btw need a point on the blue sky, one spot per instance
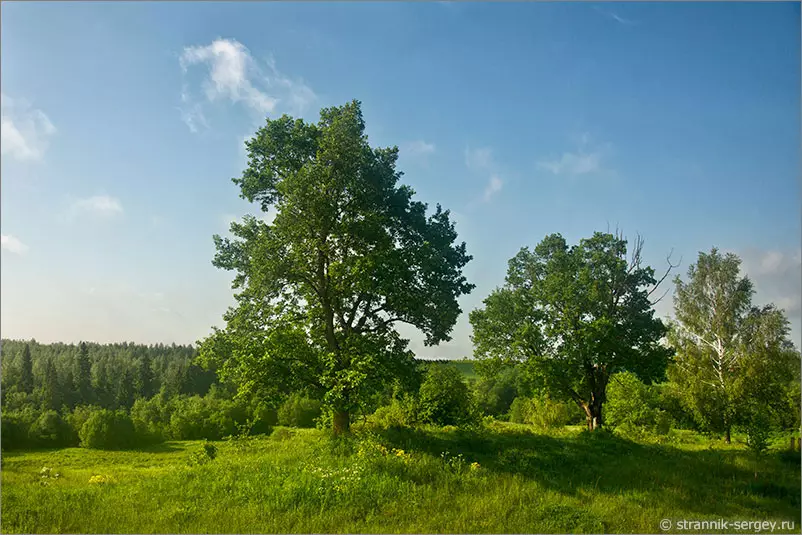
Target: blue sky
(123, 123)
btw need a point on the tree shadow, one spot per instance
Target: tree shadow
(705, 482)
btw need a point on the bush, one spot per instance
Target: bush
(76, 420)
(542, 412)
(50, 430)
(16, 426)
(393, 415)
(108, 430)
(299, 411)
(204, 454)
(444, 398)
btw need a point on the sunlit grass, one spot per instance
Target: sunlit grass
(503, 479)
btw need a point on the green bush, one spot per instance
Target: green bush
(50, 430)
(108, 430)
(444, 398)
(16, 426)
(76, 420)
(630, 403)
(543, 412)
(393, 415)
(204, 454)
(299, 411)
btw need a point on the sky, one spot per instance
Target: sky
(123, 124)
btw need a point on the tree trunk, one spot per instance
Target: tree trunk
(342, 422)
(593, 414)
(727, 438)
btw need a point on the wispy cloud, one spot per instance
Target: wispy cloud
(614, 16)
(98, 205)
(24, 131)
(12, 244)
(235, 75)
(493, 187)
(579, 162)
(481, 160)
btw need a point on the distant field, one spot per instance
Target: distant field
(465, 366)
(300, 481)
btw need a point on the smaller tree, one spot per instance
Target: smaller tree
(444, 398)
(729, 354)
(51, 393)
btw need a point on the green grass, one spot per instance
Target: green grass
(302, 481)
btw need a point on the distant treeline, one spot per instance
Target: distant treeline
(111, 376)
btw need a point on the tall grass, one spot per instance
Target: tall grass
(502, 479)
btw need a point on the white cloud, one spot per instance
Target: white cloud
(493, 187)
(12, 244)
(24, 131)
(481, 160)
(579, 162)
(574, 164)
(99, 205)
(417, 148)
(234, 75)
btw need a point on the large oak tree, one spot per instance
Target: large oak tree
(573, 316)
(348, 255)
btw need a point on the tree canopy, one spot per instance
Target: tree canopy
(348, 255)
(573, 316)
(733, 359)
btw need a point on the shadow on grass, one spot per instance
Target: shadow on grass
(707, 482)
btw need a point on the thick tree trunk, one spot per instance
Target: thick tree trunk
(727, 438)
(341, 423)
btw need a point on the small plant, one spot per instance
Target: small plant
(454, 463)
(47, 476)
(203, 455)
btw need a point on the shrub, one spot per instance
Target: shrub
(519, 410)
(393, 415)
(299, 411)
(108, 430)
(542, 412)
(76, 420)
(50, 430)
(444, 398)
(204, 454)
(16, 427)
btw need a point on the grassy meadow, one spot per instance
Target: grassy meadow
(503, 478)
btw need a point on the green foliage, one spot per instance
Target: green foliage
(574, 316)
(543, 412)
(108, 430)
(397, 413)
(444, 398)
(496, 392)
(50, 430)
(348, 255)
(26, 371)
(202, 455)
(729, 354)
(630, 403)
(299, 411)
